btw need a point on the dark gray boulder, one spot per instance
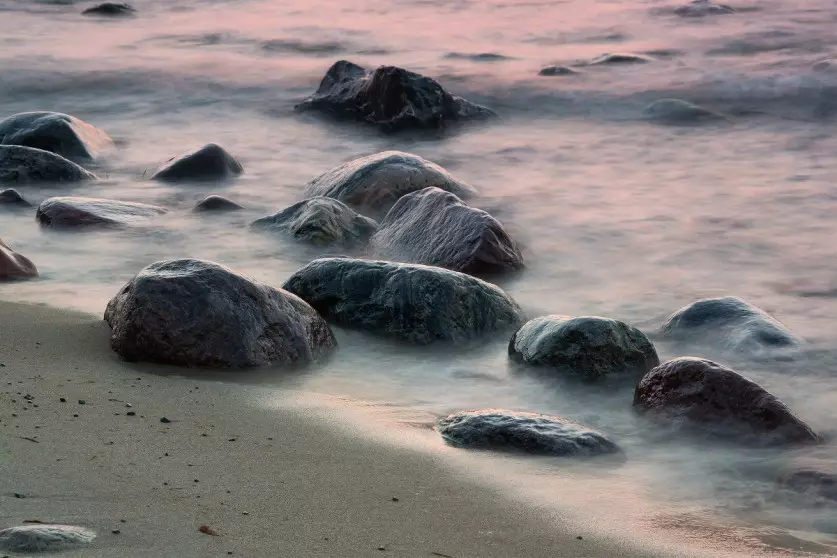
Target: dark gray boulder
(210, 162)
(44, 537)
(196, 313)
(111, 9)
(374, 183)
(496, 429)
(815, 483)
(12, 198)
(550, 71)
(703, 8)
(69, 211)
(25, 165)
(618, 59)
(14, 266)
(216, 203)
(703, 395)
(57, 133)
(678, 111)
(320, 220)
(588, 346)
(434, 227)
(389, 97)
(414, 303)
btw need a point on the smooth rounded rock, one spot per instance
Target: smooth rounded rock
(320, 220)
(58, 133)
(210, 162)
(434, 227)
(72, 212)
(12, 198)
(558, 71)
(14, 266)
(44, 537)
(703, 8)
(813, 483)
(216, 203)
(26, 165)
(407, 302)
(111, 9)
(678, 111)
(196, 313)
(618, 59)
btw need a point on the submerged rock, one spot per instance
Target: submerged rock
(24, 165)
(68, 211)
(111, 9)
(703, 8)
(44, 537)
(811, 482)
(414, 303)
(497, 429)
(377, 181)
(13, 266)
(201, 314)
(434, 227)
(677, 111)
(210, 162)
(12, 197)
(589, 346)
(389, 97)
(216, 203)
(709, 397)
(618, 59)
(57, 133)
(825, 66)
(320, 220)
(558, 71)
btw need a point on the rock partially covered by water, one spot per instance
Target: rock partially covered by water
(24, 165)
(13, 266)
(44, 537)
(434, 227)
(111, 9)
(322, 221)
(12, 197)
(69, 211)
(496, 429)
(704, 395)
(619, 58)
(732, 324)
(703, 8)
(201, 314)
(825, 66)
(414, 303)
(377, 181)
(216, 203)
(389, 97)
(813, 483)
(588, 346)
(558, 71)
(678, 111)
(210, 162)
(57, 133)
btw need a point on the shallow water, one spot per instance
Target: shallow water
(618, 216)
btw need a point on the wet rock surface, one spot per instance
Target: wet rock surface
(210, 162)
(14, 266)
(26, 165)
(677, 111)
(13, 198)
(77, 212)
(320, 220)
(815, 483)
(703, 8)
(44, 538)
(618, 59)
(111, 9)
(215, 204)
(558, 71)
(58, 133)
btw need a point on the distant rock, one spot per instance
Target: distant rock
(703, 8)
(825, 66)
(414, 303)
(818, 485)
(376, 182)
(216, 203)
(25, 165)
(43, 537)
(111, 9)
(12, 198)
(677, 111)
(618, 59)
(70, 212)
(57, 133)
(706, 396)
(558, 71)
(13, 266)
(434, 227)
(479, 57)
(210, 162)
(196, 313)
(496, 429)
(389, 97)
(588, 346)
(320, 220)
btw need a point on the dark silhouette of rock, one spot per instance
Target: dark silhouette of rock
(703, 8)
(24, 165)
(320, 220)
(497, 429)
(434, 227)
(196, 313)
(69, 211)
(13, 266)
(111, 9)
(558, 71)
(618, 59)
(12, 198)
(588, 346)
(216, 203)
(43, 537)
(210, 162)
(57, 133)
(819, 485)
(376, 182)
(708, 397)
(677, 111)
(414, 303)
(389, 97)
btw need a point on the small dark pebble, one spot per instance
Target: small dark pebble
(232, 439)
(131, 413)
(196, 480)
(580, 538)
(164, 420)
(75, 416)
(382, 548)
(394, 499)
(122, 521)
(116, 531)
(81, 401)
(19, 495)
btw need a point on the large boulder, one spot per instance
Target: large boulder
(44, 537)
(201, 314)
(69, 211)
(111, 9)
(216, 204)
(13, 266)
(389, 97)
(322, 221)
(496, 429)
(374, 183)
(588, 346)
(434, 227)
(12, 198)
(706, 396)
(58, 133)
(24, 165)
(414, 303)
(703, 8)
(210, 162)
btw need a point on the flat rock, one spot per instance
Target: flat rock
(111, 9)
(58, 133)
(320, 220)
(216, 203)
(389, 97)
(210, 162)
(703, 8)
(44, 538)
(196, 313)
(706, 396)
(496, 429)
(434, 227)
(408, 302)
(678, 111)
(618, 59)
(13, 266)
(25, 165)
(558, 71)
(69, 211)
(587, 346)
(376, 182)
(12, 198)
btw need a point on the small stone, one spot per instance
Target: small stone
(75, 416)
(131, 413)
(164, 420)
(81, 401)
(382, 548)
(394, 499)
(63, 400)
(116, 531)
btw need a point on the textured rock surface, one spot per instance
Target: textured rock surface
(44, 538)
(210, 162)
(69, 211)
(389, 97)
(216, 203)
(23, 165)
(111, 9)
(703, 8)
(705, 395)
(619, 58)
(201, 314)
(57, 133)
(414, 303)
(434, 227)
(558, 71)
(588, 346)
(12, 198)
(498, 429)
(14, 266)
(320, 220)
